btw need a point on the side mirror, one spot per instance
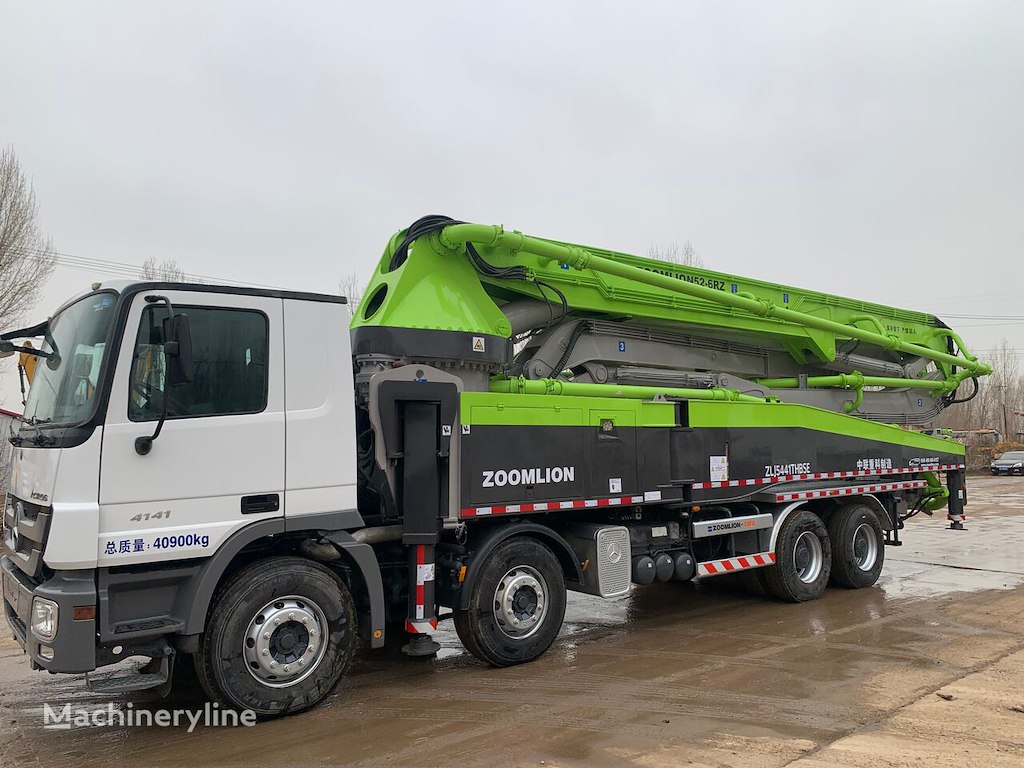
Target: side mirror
(178, 349)
(178, 361)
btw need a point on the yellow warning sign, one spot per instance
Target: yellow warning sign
(478, 344)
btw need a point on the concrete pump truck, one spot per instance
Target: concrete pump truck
(231, 474)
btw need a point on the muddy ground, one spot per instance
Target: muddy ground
(927, 668)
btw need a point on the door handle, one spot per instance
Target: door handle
(264, 502)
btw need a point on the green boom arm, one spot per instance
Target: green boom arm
(437, 287)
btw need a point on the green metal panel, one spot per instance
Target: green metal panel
(430, 290)
(712, 414)
(496, 409)
(499, 409)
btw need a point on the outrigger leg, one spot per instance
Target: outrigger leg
(955, 481)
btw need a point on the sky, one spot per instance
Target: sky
(872, 150)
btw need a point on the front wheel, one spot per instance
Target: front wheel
(858, 546)
(516, 604)
(803, 559)
(279, 636)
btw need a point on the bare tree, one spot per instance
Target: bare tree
(685, 255)
(351, 286)
(166, 271)
(26, 255)
(1000, 397)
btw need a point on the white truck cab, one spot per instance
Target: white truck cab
(110, 536)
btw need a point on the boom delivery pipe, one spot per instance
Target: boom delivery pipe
(522, 386)
(455, 236)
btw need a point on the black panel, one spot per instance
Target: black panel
(514, 464)
(428, 344)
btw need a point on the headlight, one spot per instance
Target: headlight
(1018, 465)
(44, 618)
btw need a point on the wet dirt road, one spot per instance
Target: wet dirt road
(927, 668)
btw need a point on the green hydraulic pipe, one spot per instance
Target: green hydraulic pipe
(869, 319)
(853, 405)
(936, 495)
(523, 386)
(854, 380)
(456, 236)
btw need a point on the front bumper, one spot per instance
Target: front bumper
(74, 644)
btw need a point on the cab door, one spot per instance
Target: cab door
(218, 463)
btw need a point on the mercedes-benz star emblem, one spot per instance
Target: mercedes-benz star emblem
(614, 553)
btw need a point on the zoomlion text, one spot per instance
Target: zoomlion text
(536, 476)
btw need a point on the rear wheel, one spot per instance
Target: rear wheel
(279, 636)
(516, 604)
(858, 546)
(803, 559)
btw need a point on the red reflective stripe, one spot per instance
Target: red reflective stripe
(418, 625)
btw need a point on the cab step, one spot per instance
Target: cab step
(155, 674)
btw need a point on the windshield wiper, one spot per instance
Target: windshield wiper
(39, 439)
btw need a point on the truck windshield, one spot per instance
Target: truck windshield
(64, 385)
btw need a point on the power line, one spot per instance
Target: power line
(117, 268)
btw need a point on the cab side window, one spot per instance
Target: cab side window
(229, 351)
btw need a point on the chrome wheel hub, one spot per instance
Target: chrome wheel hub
(808, 557)
(865, 547)
(285, 641)
(520, 602)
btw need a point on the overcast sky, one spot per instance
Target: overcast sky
(874, 150)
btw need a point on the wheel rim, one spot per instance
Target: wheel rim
(285, 641)
(520, 602)
(808, 557)
(865, 547)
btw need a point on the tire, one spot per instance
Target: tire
(803, 559)
(858, 546)
(304, 601)
(520, 575)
